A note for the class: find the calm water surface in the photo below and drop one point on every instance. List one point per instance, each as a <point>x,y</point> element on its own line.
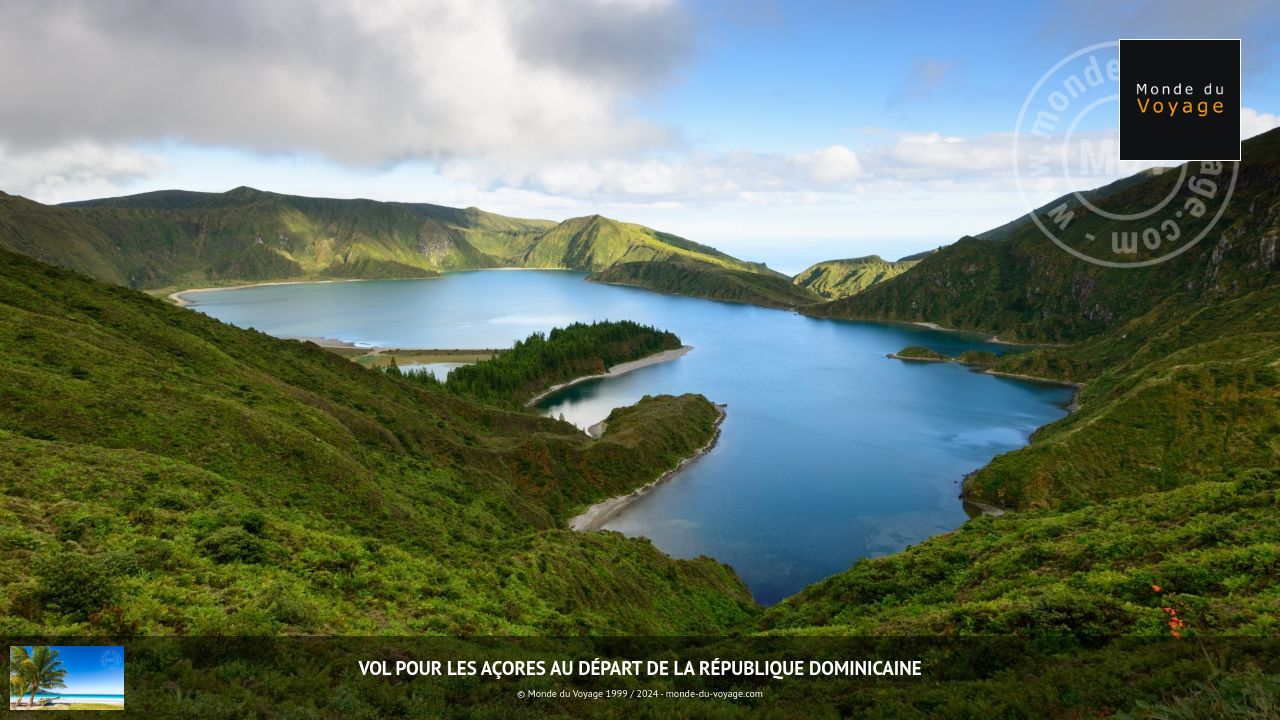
<point>830,451</point>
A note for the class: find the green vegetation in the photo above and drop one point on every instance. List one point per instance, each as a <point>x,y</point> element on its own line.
<point>1158,492</point>
<point>1014,283</point>
<point>542,360</point>
<point>175,239</point>
<point>1209,546</point>
<point>834,279</point>
<point>385,357</point>
<point>1170,399</point>
<point>35,671</point>
<point>978,359</point>
<point>916,352</point>
<point>714,282</point>
<point>595,243</point>
<point>165,473</point>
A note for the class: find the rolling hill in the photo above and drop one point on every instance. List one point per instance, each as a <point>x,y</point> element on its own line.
<point>757,286</point>
<point>165,473</point>
<point>180,238</point>
<point>834,279</point>
<point>1014,282</point>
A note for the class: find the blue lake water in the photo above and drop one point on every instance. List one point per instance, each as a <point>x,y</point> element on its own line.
<point>830,451</point>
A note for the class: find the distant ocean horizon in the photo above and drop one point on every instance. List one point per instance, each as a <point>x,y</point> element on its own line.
<point>77,697</point>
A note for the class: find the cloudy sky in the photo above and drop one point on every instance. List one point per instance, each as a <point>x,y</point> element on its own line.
<point>781,131</point>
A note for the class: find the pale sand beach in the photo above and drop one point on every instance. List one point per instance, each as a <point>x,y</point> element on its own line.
<point>180,301</point>
<point>619,369</point>
<point>594,517</point>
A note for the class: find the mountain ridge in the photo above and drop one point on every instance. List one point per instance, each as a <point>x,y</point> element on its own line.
<point>179,238</point>
<point>833,279</point>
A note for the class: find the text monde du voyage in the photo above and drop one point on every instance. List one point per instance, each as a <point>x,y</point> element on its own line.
<point>1180,99</point>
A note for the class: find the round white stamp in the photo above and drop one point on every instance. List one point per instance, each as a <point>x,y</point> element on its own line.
<point>1064,141</point>
<point>111,658</point>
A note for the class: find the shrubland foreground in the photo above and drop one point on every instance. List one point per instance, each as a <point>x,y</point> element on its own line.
<point>164,473</point>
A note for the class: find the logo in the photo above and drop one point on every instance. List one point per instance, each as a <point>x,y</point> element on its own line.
<point>111,658</point>
<point>1180,99</point>
<point>1065,145</point>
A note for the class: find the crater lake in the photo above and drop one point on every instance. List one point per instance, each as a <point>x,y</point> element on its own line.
<point>829,452</point>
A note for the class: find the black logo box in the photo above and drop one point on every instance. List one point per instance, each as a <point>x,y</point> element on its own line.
<point>1185,67</point>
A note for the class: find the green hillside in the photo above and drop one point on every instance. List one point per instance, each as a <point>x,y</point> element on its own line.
<point>1148,512</point>
<point>545,360</point>
<point>832,279</point>
<point>1210,547</point>
<point>165,473</point>
<point>177,238</point>
<point>706,280</point>
<point>1025,288</point>
<point>1175,396</point>
<point>1166,475</point>
<point>595,243</point>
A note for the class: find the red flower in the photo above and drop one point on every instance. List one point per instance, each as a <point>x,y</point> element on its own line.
<point>1155,588</point>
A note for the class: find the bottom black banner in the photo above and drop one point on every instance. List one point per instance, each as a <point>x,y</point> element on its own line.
<point>889,677</point>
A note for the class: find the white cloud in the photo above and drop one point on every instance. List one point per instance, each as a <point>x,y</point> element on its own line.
<point>75,170</point>
<point>829,165</point>
<point>692,177</point>
<point>1253,122</point>
<point>364,83</point>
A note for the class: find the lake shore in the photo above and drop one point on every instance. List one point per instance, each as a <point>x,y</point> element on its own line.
<point>908,358</point>
<point>180,301</point>
<point>1073,406</point>
<point>616,370</point>
<point>989,338</point>
<point>595,516</point>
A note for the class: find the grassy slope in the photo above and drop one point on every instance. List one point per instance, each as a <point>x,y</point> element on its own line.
<point>178,238</point>
<point>595,243</point>
<point>1181,378</point>
<point>1212,547</point>
<point>705,280</point>
<point>1166,475</point>
<point>832,279</point>
<point>1174,396</point>
<point>163,472</point>
<point>1025,288</point>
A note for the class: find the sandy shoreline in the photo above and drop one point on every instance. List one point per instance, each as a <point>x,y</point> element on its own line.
<point>177,297</point>
<point>180,301</point>
<point>594,517</point>
<point>616,370</point>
